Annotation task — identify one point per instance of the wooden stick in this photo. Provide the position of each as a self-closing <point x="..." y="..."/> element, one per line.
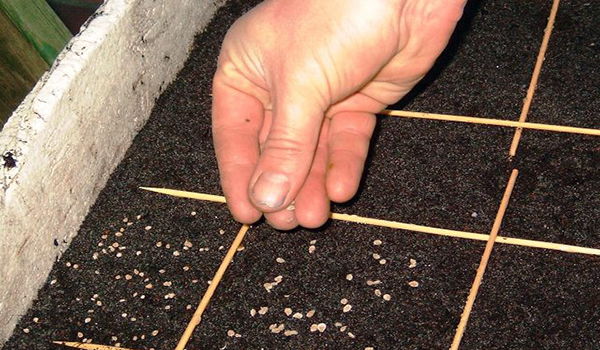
<point x="535" y="77"/>
<point x="408" y="227"/>
<point x="195" y="321"/>
<point x="484" y="261"/>
<point x="85" y="346"/>
<point x="494" y="122"/>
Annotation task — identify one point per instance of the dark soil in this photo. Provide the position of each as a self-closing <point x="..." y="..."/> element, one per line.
<point x="423" y="172"/>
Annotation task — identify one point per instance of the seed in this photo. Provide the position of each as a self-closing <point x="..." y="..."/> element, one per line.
<point x="373" y="283"/>
<point x="387" y="297"/>
<point x="167" y="284"/>
<point x="79" y="335"/>
<point x="280" y="260"/>
<point x="377" y="242"/>
<point x="382" y="261"/>
<point x="376" y="256"/>
<point x="349" y="277"/>
<point x="413" y="284"/>
<point x="278" y="279"/>
<point x="176" y="253"/>
<point x="297" y="315"/>
<point x="147" y="227"/>
<point x="344" y="301"/>
<point x="193" y="213"/>
<point x="311" y="249"/>
<point x="188" y="244"/>
<point x="343" y="328"/>
<point x="149" y="286"/>
<point x="154" y="333"/>
<point x="378" y="292"/>
<point x="321" y="327"/>
<point x="252" y="312"/>
<point x="347" y="308"/>
<point x="231" y="333"/>
<point x="263" y="310"/>
<point x="36" y="320"/>
<point x="338" y="324"/>
<point x="369" y="348"/>
<point x="413" y="264"/>
<point x="87" y="320"/>
<point x="313" y="327"/>
<point x="159" y="244"/>
<point x="287" y="311"/>
<point x="310" y="313"/>
<point x="313" y="242"/>
<point x="25" y="330"/>
<point x="351" y="335"/>
<point x="290" y="333"/>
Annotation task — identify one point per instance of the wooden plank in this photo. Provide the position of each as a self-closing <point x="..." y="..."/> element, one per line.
<point x="20" y="67"/>
<point x="39" y="24"/>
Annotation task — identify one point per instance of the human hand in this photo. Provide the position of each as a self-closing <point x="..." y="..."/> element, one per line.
<point x="295" y="96"/>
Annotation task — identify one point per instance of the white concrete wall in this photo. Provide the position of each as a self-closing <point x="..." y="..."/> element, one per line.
<point x="74" y="128"/>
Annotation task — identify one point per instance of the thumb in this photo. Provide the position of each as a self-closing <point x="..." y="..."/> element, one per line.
<point x="287" y="153"/>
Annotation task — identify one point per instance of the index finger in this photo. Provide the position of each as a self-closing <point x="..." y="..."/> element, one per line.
<point x="236" y="122"/>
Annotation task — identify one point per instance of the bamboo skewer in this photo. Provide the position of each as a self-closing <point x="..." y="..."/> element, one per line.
<point x="484" y="261"/>
<point x="493" y="122"/>
<point x="197" y="317"/>
<point x="408" y="227"/>
<point x="534" y="78"/>
<point x="86" y="346"/>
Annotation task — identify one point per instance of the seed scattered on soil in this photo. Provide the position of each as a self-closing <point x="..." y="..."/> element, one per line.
<point x="347" y="308"/>
<point x="349" y="277"/>
<point x="387" y="297"/>
<point x="230" y="333"/>
<point x="376" y="256"/>
<point x="344" y="301"/>
<point x="287" y="311"/>
<point x="351" y="335"/>
<point x="311" y="249"/>
<point x="147" y="228"/>
<point x="263" y="310"/>
<point x="290" y="333"/>
<point x="313" y="327"/>
<point x="321" y="327"/>
<point x="343" y="328"/>
<point x="154" y="333"/>
<point x="310" y="314"/>
<point x="373" y="283"/>
<point x="382" y="261"/>
<point x="297" y="315"/>
<point x="377" y="242"/>
<point x="413" y="264"/>
<point x="413" y="284"/>
<point x="280" y="260"/>
<point x="378" y="292"/>
<point x="25" y="330"/>
<point x="79" y="335"/>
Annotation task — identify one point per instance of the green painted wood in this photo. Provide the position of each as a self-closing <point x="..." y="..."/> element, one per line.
<point x="20" y="66"/>
<point x="39" y="24"/>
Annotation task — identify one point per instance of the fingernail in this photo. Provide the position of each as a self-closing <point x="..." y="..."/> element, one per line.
<point x="271" y="189"/>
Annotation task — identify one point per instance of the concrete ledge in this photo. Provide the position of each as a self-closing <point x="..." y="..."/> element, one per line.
<point x="61" y="144"/>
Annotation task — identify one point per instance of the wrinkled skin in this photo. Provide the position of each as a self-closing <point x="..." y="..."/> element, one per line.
<point x="295" y="96"/>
